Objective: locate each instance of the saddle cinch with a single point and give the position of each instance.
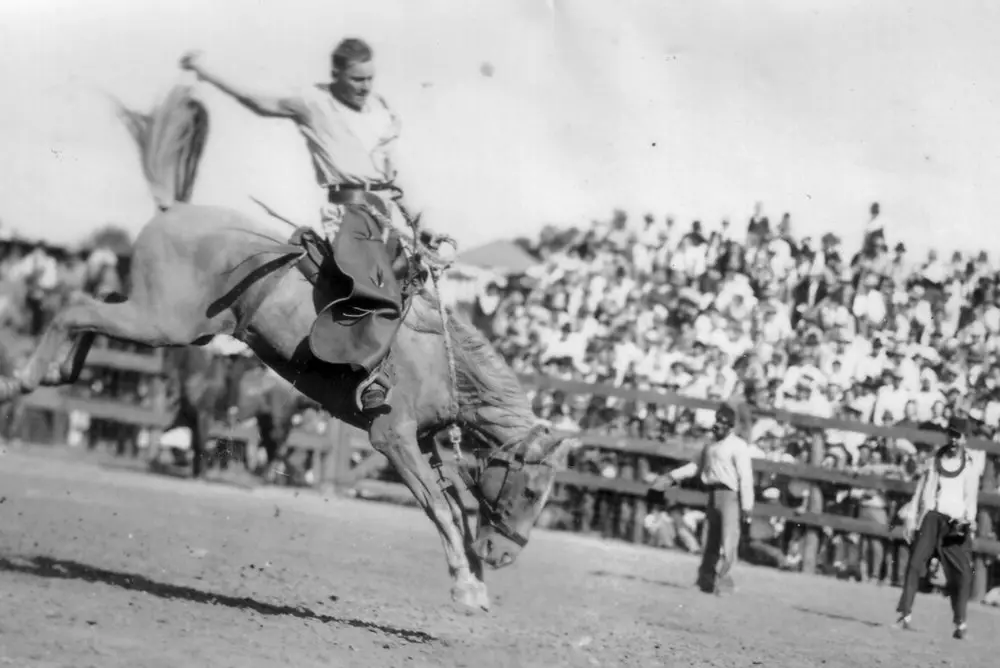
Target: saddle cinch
(364, 282)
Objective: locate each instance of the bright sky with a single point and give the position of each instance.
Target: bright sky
(691, 108)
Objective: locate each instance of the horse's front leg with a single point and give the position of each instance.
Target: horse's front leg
(396, 438)
(462, 517)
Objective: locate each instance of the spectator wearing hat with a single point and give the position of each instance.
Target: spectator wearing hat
(940, 523)
(725, 469)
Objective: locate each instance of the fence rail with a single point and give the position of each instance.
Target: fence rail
(335, 463)
(798, 419)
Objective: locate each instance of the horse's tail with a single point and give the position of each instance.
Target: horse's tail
(171, 139)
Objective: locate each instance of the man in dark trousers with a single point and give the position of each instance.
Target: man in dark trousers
(726, 471)
(944, 507)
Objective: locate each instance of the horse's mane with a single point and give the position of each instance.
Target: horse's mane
(485, 383)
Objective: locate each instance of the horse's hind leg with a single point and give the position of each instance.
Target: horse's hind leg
(127, 320)
(68, 371)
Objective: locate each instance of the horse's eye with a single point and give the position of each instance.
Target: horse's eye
(530, 494)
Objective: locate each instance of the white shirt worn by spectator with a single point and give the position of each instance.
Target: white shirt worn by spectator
(870, 306)
(726, 462)
(890, 400)
(991, 415)
(41, 266)
(925, 403)
(910, 372)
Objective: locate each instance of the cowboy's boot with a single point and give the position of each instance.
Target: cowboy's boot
(373, 394)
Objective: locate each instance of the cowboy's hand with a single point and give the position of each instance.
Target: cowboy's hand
(747, 517)
(191, 62)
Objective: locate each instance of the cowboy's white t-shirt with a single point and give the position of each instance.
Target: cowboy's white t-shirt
(346, 145)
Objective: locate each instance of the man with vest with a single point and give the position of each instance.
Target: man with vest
(940, 521)
(726, 471)
(351, 134)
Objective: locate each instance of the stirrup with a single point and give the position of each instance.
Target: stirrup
(376, 378)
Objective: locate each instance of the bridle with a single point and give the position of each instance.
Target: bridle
(493, 512)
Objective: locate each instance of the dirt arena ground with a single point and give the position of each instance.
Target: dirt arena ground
(109, 568)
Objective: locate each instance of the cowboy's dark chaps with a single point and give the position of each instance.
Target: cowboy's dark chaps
(363, 277)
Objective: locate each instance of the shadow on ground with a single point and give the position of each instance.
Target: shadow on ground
(841, 618)
(63, 569)
(639, 578)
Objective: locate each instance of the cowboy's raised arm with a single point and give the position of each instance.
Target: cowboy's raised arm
(261, 104)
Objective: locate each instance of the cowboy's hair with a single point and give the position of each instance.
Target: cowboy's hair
(351, 50)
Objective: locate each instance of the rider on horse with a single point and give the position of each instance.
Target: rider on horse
(351, 135)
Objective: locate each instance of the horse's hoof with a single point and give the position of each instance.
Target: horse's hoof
(472, 596)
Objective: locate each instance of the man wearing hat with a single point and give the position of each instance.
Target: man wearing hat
(725, 469)
(944, 507)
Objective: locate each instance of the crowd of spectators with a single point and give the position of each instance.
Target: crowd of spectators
(36, 279)
(859, 330)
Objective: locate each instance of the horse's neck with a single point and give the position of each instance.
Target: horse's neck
(491, 431)
(494, 422)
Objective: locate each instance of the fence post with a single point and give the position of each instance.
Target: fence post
(981, 577)
(982, 563)
(810, 546)
(639, 507)
(337, 467)
(330, 465)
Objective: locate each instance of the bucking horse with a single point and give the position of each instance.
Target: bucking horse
(200, 270)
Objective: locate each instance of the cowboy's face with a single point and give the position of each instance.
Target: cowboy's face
(353, 84)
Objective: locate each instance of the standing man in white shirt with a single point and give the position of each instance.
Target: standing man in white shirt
(942, 515)
(726, 471)
(351, 134)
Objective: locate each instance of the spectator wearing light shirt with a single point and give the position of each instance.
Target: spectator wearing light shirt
(891, 398)
(567, 344)
(725, 468)
(869, 305)
(946, 500)
(850, 441)
(908, 370)
(872, 364)
(926, 397)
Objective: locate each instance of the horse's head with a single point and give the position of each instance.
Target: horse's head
(514, 483)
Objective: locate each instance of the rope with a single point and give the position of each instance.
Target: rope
(454, 431)
(427, 253)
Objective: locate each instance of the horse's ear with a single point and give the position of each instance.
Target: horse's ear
(558, 457)
(541, 429)
(538, 442)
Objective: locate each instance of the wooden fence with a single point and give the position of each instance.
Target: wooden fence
(632, 492)
(335, 466)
